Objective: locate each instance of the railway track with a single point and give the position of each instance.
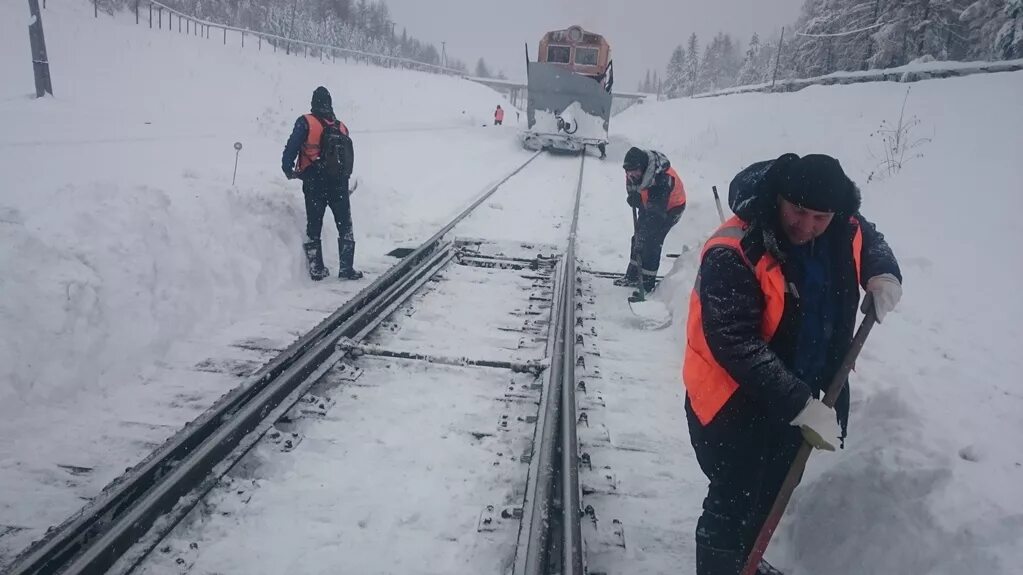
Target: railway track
(496, 385)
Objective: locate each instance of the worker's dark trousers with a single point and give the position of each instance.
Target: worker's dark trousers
(647, 242)
(746, 458)
(319, 195)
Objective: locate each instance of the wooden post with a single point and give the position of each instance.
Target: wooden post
(225, 36)
(159, 17)
(150, 15)
(95, 8)
(777, 57)
(136, 12)
(40, 63)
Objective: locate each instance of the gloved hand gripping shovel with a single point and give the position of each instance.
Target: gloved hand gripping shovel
(803, 455)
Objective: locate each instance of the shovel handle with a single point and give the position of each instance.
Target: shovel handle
(803, 455)
(717, 202)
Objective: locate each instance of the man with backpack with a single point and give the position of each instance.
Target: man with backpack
(324, 153)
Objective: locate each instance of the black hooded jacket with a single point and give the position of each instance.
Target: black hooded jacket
(322, 108)
(733, 303)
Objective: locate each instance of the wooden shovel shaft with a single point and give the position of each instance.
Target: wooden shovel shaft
(803, 455)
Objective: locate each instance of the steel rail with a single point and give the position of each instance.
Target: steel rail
(550, 539)
(572, 546)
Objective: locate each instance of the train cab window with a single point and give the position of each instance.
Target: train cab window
(559, 54)
(586, 56)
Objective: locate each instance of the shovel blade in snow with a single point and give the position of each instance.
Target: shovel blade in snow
(650, 313)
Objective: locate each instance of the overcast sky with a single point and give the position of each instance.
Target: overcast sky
(642, 33)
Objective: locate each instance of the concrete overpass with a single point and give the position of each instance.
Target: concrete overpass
(516, 93)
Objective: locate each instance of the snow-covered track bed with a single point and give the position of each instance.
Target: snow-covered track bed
(442, 442)
(411, 454)
(160, 489)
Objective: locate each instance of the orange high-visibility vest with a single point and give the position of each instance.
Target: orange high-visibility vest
(311, 148)
(678, 191)
(707, 383)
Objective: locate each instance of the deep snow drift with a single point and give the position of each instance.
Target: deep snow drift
(929, 480)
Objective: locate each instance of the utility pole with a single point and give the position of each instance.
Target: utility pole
(777, 57)
(444, 54)
(40, 63)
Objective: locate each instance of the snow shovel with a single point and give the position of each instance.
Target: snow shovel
(651, 314)
(803, 455)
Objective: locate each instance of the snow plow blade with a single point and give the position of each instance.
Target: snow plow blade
(580, 102)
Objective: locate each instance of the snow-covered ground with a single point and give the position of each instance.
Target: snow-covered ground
(929, 480)
(128, 258)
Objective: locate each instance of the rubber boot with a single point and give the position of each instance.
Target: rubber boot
(346, 249)
(631, 277)
(314, 259)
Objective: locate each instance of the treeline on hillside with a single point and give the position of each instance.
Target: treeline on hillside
(360, 25)
(846, 35)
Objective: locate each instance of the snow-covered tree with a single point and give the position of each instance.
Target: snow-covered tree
(676, 73)
(720, 65)
(364, 25)
(482, 71)
(993, 29)
(1009, 40)
(752, 69)
(692, 77)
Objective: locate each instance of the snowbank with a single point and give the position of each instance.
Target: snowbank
(929, 481)
(127, 257)
(121, 229)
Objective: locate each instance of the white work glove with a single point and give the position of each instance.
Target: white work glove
(818, 424)
(885, 291)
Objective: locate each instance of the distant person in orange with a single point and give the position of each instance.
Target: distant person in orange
(498, 116)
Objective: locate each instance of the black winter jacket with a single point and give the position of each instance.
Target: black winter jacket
(733, 303)
(658, 184)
